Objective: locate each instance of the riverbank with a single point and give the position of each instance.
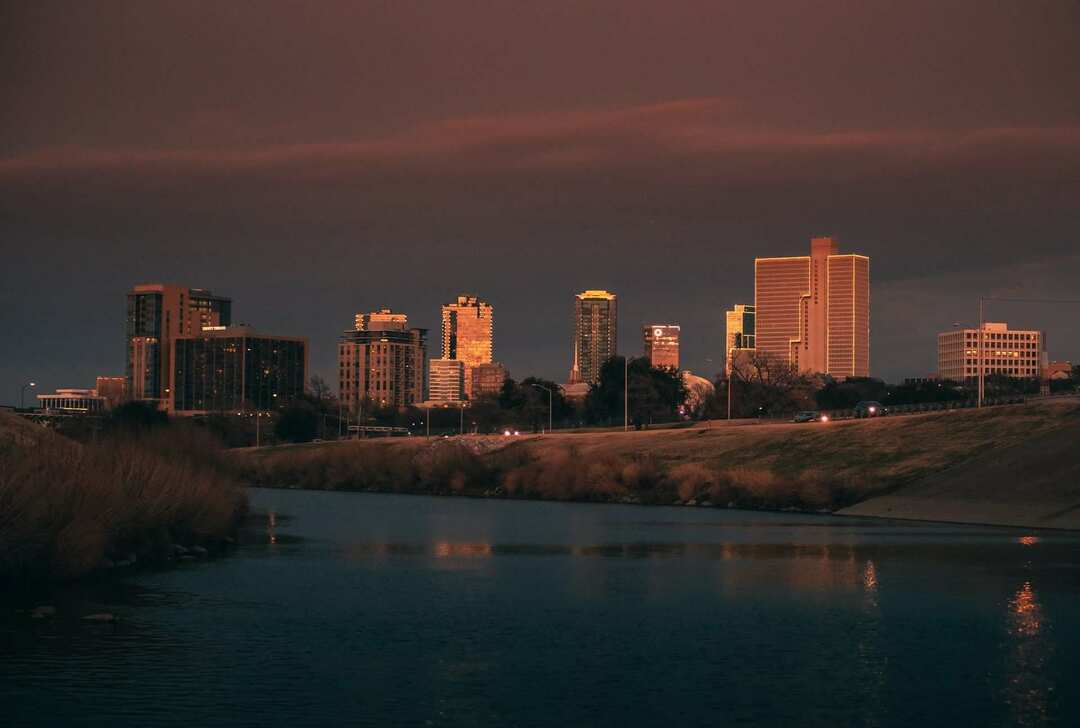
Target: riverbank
(67, 509)
(813, 467)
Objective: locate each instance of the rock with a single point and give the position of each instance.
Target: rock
(199, 551)
(692, 502)
(178, 550)
(43, 612)
(106, 563)
(100, 617)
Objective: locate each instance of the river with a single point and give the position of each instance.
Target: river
(383, 610)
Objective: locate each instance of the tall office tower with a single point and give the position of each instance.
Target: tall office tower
(595, 334)
(813, 312)
(740, 338)
(446, 380)
(382, 365)
(662, 344)
(467, 334)
(381, 320)
(234, 368)
(1020, 354)
(156, 315)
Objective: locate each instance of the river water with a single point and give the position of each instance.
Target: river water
(382, 610)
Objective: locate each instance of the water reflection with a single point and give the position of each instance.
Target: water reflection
(1028, 540)
(271, 526)
(1029, 687)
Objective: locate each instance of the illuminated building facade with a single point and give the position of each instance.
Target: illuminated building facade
(384, 365)
(813, 312)
(662, 344)
(739, 340)
(381, 320)
(446, 380)
(73, 402)
(156, 315)
(1011, 353)
(487, 379)
(596, 322)
(235, 369)
(113, 389)
(467, 334)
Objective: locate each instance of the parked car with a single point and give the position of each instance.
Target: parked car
(870, 409)
(809, 416)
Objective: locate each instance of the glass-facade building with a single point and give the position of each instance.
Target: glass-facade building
(596, 323)
(237, 369)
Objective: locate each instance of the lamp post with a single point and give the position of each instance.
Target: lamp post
(22, 394)
(730, 374)
(540, 386)
(626, 394)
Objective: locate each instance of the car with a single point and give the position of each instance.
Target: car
(870, 409)
(809, 416)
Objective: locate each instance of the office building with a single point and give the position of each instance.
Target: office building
(1058, 370)
(595, 334)
(1007, 352)
(467, 334)
(446, 380)
(113, 389)
(384, 366)
(739, 340)
(73, 402)
(662, 344)
(156, 315)
(487, 379)
(236, 369)
(813, 312)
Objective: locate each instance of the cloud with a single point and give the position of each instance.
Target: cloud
(687, 137)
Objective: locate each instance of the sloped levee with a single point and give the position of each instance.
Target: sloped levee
(1035, 484)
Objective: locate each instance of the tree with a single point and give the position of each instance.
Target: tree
(764, 385)
(298, 422)
(655, 393)
(138, 416)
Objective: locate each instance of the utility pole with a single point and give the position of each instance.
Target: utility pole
(730, 374)
(540, 386)
(22, 394)
(626, 394)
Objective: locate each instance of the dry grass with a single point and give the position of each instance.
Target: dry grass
(65, 507)
(806, 467)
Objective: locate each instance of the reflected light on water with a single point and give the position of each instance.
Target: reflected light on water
(1028, 540)
(271, 524)
(475, 549)
(1026, 612)
(1029, 687)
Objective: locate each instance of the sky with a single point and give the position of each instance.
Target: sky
(312, 160)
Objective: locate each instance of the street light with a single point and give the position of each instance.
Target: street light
(626, 394)
(540, 386)
(22, 394)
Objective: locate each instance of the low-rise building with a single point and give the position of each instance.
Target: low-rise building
(234, 368)
(1058, 370)
(73, 401)
(487, 379)
(446, 380)
(1007, 352)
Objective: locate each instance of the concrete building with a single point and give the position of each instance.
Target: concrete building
(739, 340)
(446, 380)
(1011, 353)
(1058, 370)
(113, 389)
(156, 315)
(236, 369)
(596, 326)
(73, 402)
(487, 379)
(468, 334)
(662, 344)
(813, 312)
(383, 365)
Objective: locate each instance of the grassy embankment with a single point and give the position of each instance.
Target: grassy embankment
(805, 467)
(68, 509)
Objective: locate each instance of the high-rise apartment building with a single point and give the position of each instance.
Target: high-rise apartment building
(813, 312)
(487, 379)
(467, 331)
(740, 339)
(1011, 353)
(595, 334)
(383, 365)
(662, 344)
(156, 315)
(446, 380)
(235, 368)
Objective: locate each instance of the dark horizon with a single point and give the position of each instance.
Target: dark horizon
(313, 162)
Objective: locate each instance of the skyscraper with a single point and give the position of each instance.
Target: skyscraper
(467, 330)
(446, 380)
(156, 315)
(595, 334)
(384, 365)
(662, 344)
(813, 312)
(740, 339)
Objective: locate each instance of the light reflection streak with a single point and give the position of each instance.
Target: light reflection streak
(271, 525)
(1029, 686)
